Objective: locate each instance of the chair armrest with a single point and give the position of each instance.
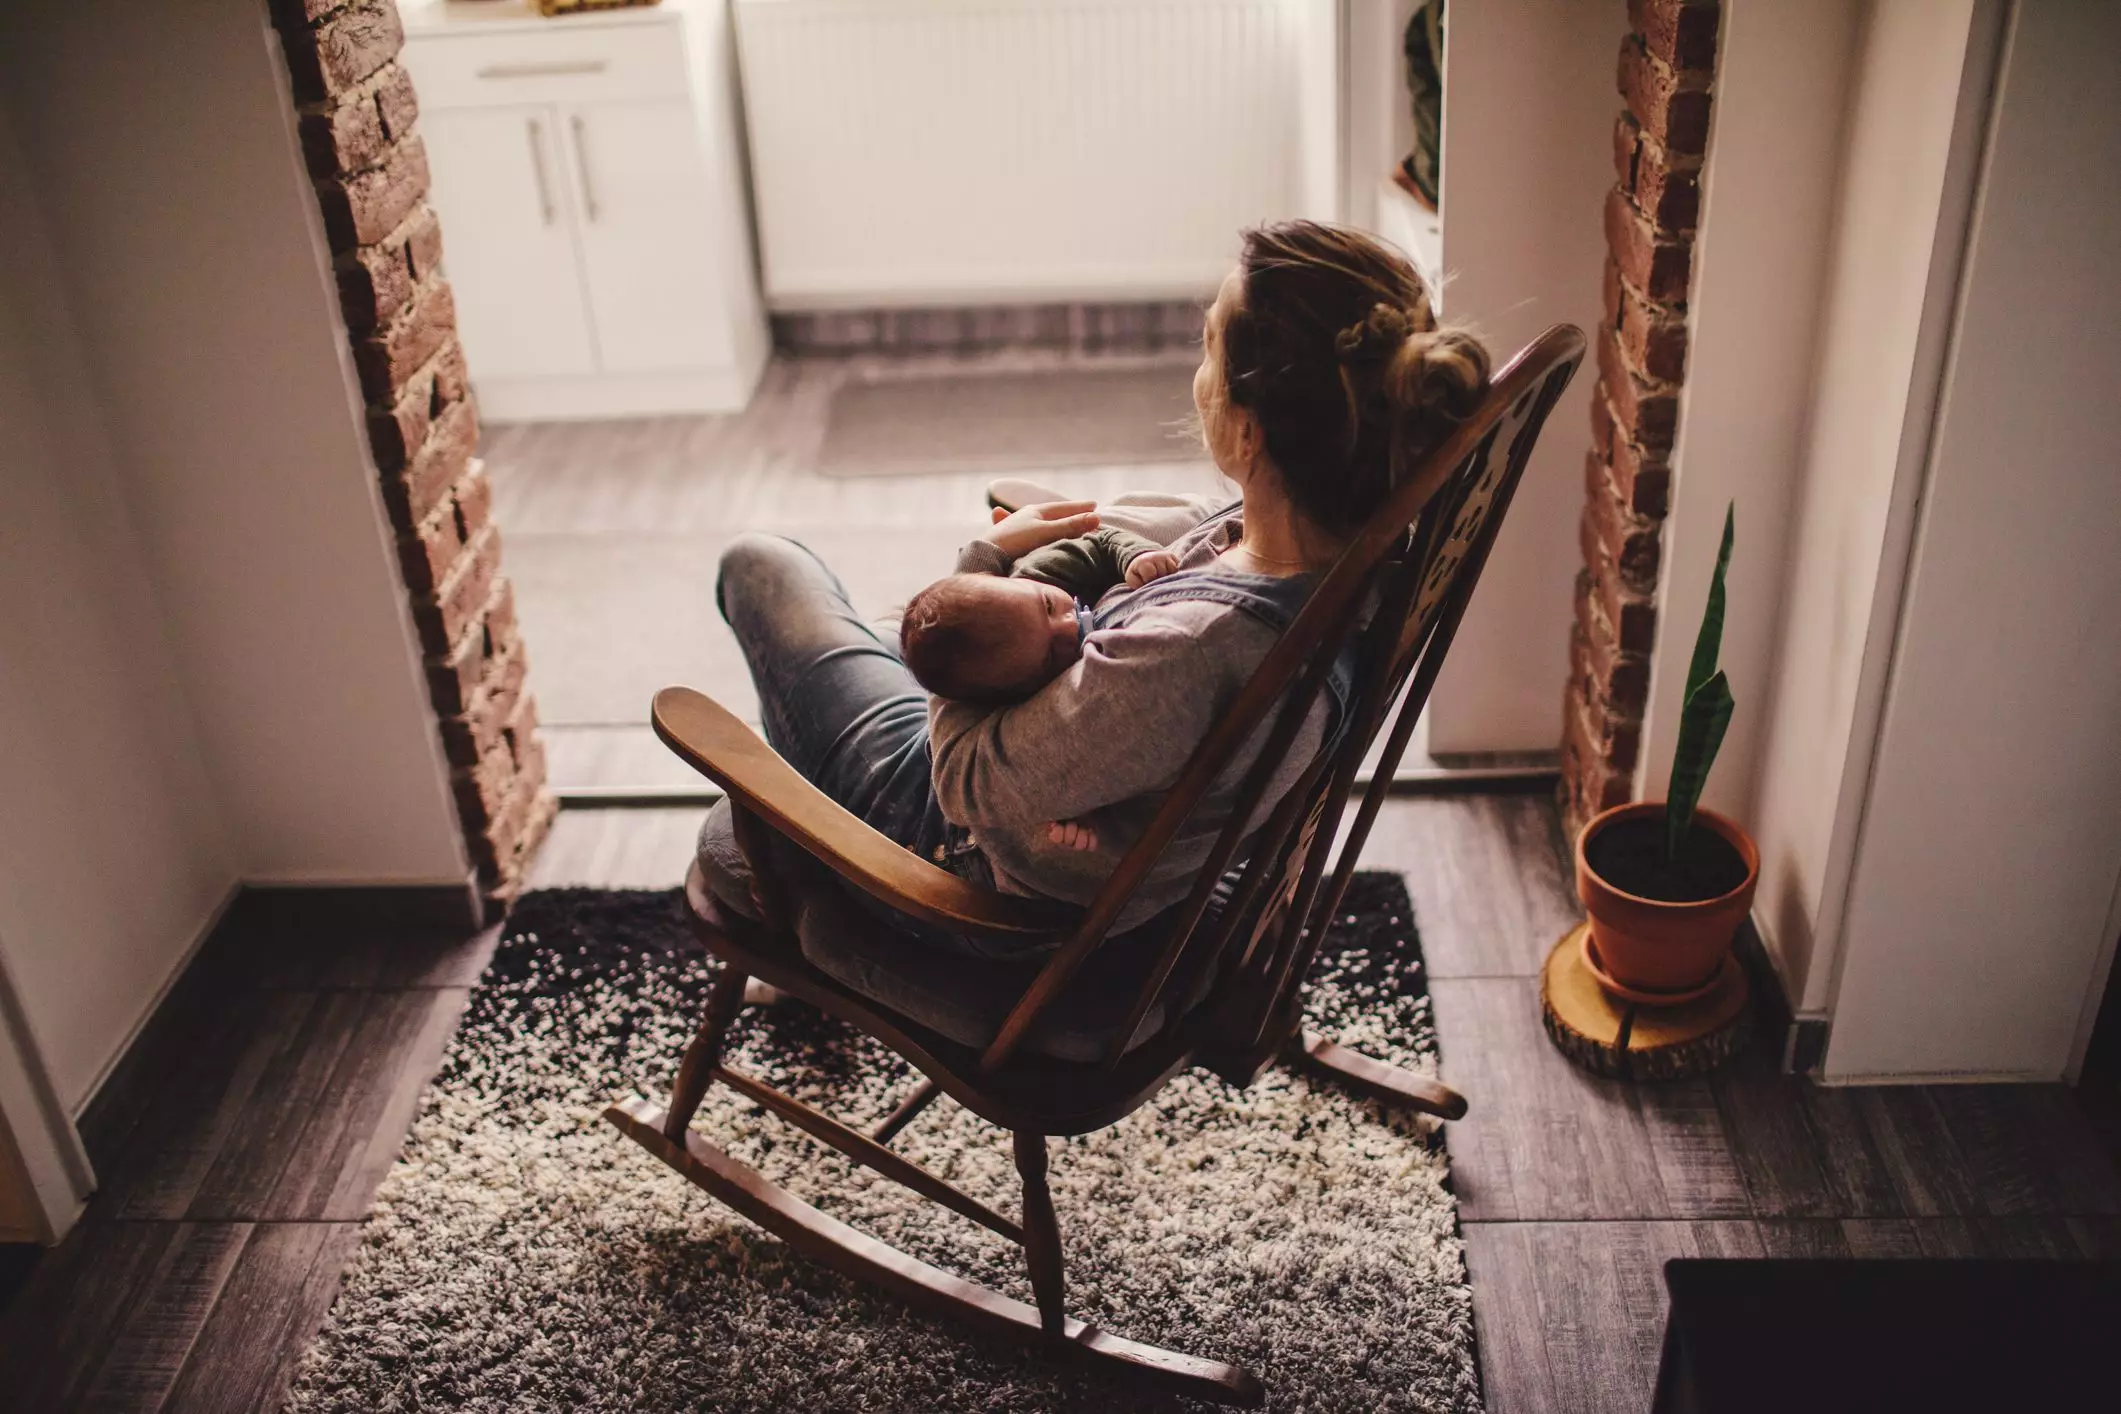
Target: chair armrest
(713, 742)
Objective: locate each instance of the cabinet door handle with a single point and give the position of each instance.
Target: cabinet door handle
(581, 165)
(536, 71)
(537, 167)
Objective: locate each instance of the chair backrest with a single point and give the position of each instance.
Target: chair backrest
(1413, 566)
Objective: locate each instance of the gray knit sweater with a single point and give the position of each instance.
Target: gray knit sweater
(1105, 740)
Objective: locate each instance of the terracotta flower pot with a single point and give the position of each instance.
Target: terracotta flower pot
(1652, 945)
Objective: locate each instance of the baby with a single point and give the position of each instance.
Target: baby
(998, 639)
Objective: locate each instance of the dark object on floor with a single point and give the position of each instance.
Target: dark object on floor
(1629, 855)
(993, 421)
(1217, 984)
(1825, 1336)
(17, 1261)
(1630, 1041)
(518, 1247)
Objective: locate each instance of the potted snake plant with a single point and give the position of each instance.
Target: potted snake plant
(1665, 882)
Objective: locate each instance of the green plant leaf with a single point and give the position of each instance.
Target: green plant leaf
(1708, 644)
(1701, 726)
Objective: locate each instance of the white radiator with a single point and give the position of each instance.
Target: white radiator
(909, 152)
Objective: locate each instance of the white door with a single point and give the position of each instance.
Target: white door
(647, 250)
(508, 240)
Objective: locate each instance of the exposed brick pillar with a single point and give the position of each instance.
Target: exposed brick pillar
(357, 111)
(1667, 68)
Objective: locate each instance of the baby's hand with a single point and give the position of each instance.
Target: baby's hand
(1071, 834)
(1154, 565)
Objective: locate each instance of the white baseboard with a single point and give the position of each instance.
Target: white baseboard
(612, 395)
(1941, 1077)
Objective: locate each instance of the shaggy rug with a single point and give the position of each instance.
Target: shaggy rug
(523, 1256)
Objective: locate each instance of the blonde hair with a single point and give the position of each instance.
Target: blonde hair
(1335, 348)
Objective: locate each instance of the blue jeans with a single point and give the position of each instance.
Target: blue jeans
(838, 704)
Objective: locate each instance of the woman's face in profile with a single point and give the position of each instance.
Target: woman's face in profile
(1219, 422)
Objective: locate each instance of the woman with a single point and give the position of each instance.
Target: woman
(1323, 381)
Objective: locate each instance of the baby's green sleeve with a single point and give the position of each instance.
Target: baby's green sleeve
(1088, 565)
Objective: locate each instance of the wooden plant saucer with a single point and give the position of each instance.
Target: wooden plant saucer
(1630, 1041)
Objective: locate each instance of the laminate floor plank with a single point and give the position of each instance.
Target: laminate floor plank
(2029, 1149)
(1692, 1149)
(1775, 1149)
(55, 1335)
(1851, 1160)
(147, 1351)
(1802, 1237)
(354, 1195)
(1585, 1321)
(2068, 1150)
(657, 853)
(1490, 894)
(2042, 1236)
(619, 849)
(1601, 1301)
(1507, 1321)
(295, 1083)
(578, 849)
(1547, 1141)
(1929, 1176)
(441, 959)
(346, 1143)
(2099, 1238)
(203, 1107)
(272, 1304)
(1884, 1237)
(626, 757)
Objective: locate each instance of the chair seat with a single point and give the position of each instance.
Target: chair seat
(961, 997)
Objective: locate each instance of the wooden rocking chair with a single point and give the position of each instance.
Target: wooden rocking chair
(1081, 1038)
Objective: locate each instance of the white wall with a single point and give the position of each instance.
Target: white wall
(113, 853)
(1978, 914)
(207, 668)
(1529, 102)
(1912, 137)
(161, 150)
(1761, 261)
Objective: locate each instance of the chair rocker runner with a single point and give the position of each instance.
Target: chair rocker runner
(1219, 987)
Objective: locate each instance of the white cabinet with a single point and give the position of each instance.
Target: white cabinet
(594, 220)
(511, 246)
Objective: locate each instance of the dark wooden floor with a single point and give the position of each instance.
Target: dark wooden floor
(1574, 1191)
(243, 1142)
(238, 1148)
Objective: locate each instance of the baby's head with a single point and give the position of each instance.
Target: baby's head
(989, 639)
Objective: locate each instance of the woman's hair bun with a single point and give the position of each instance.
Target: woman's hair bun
(1333, 346)
(1437, 371)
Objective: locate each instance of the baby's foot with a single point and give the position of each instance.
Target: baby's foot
(1072, 834)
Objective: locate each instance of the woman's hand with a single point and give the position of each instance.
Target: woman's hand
(1020, 532)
